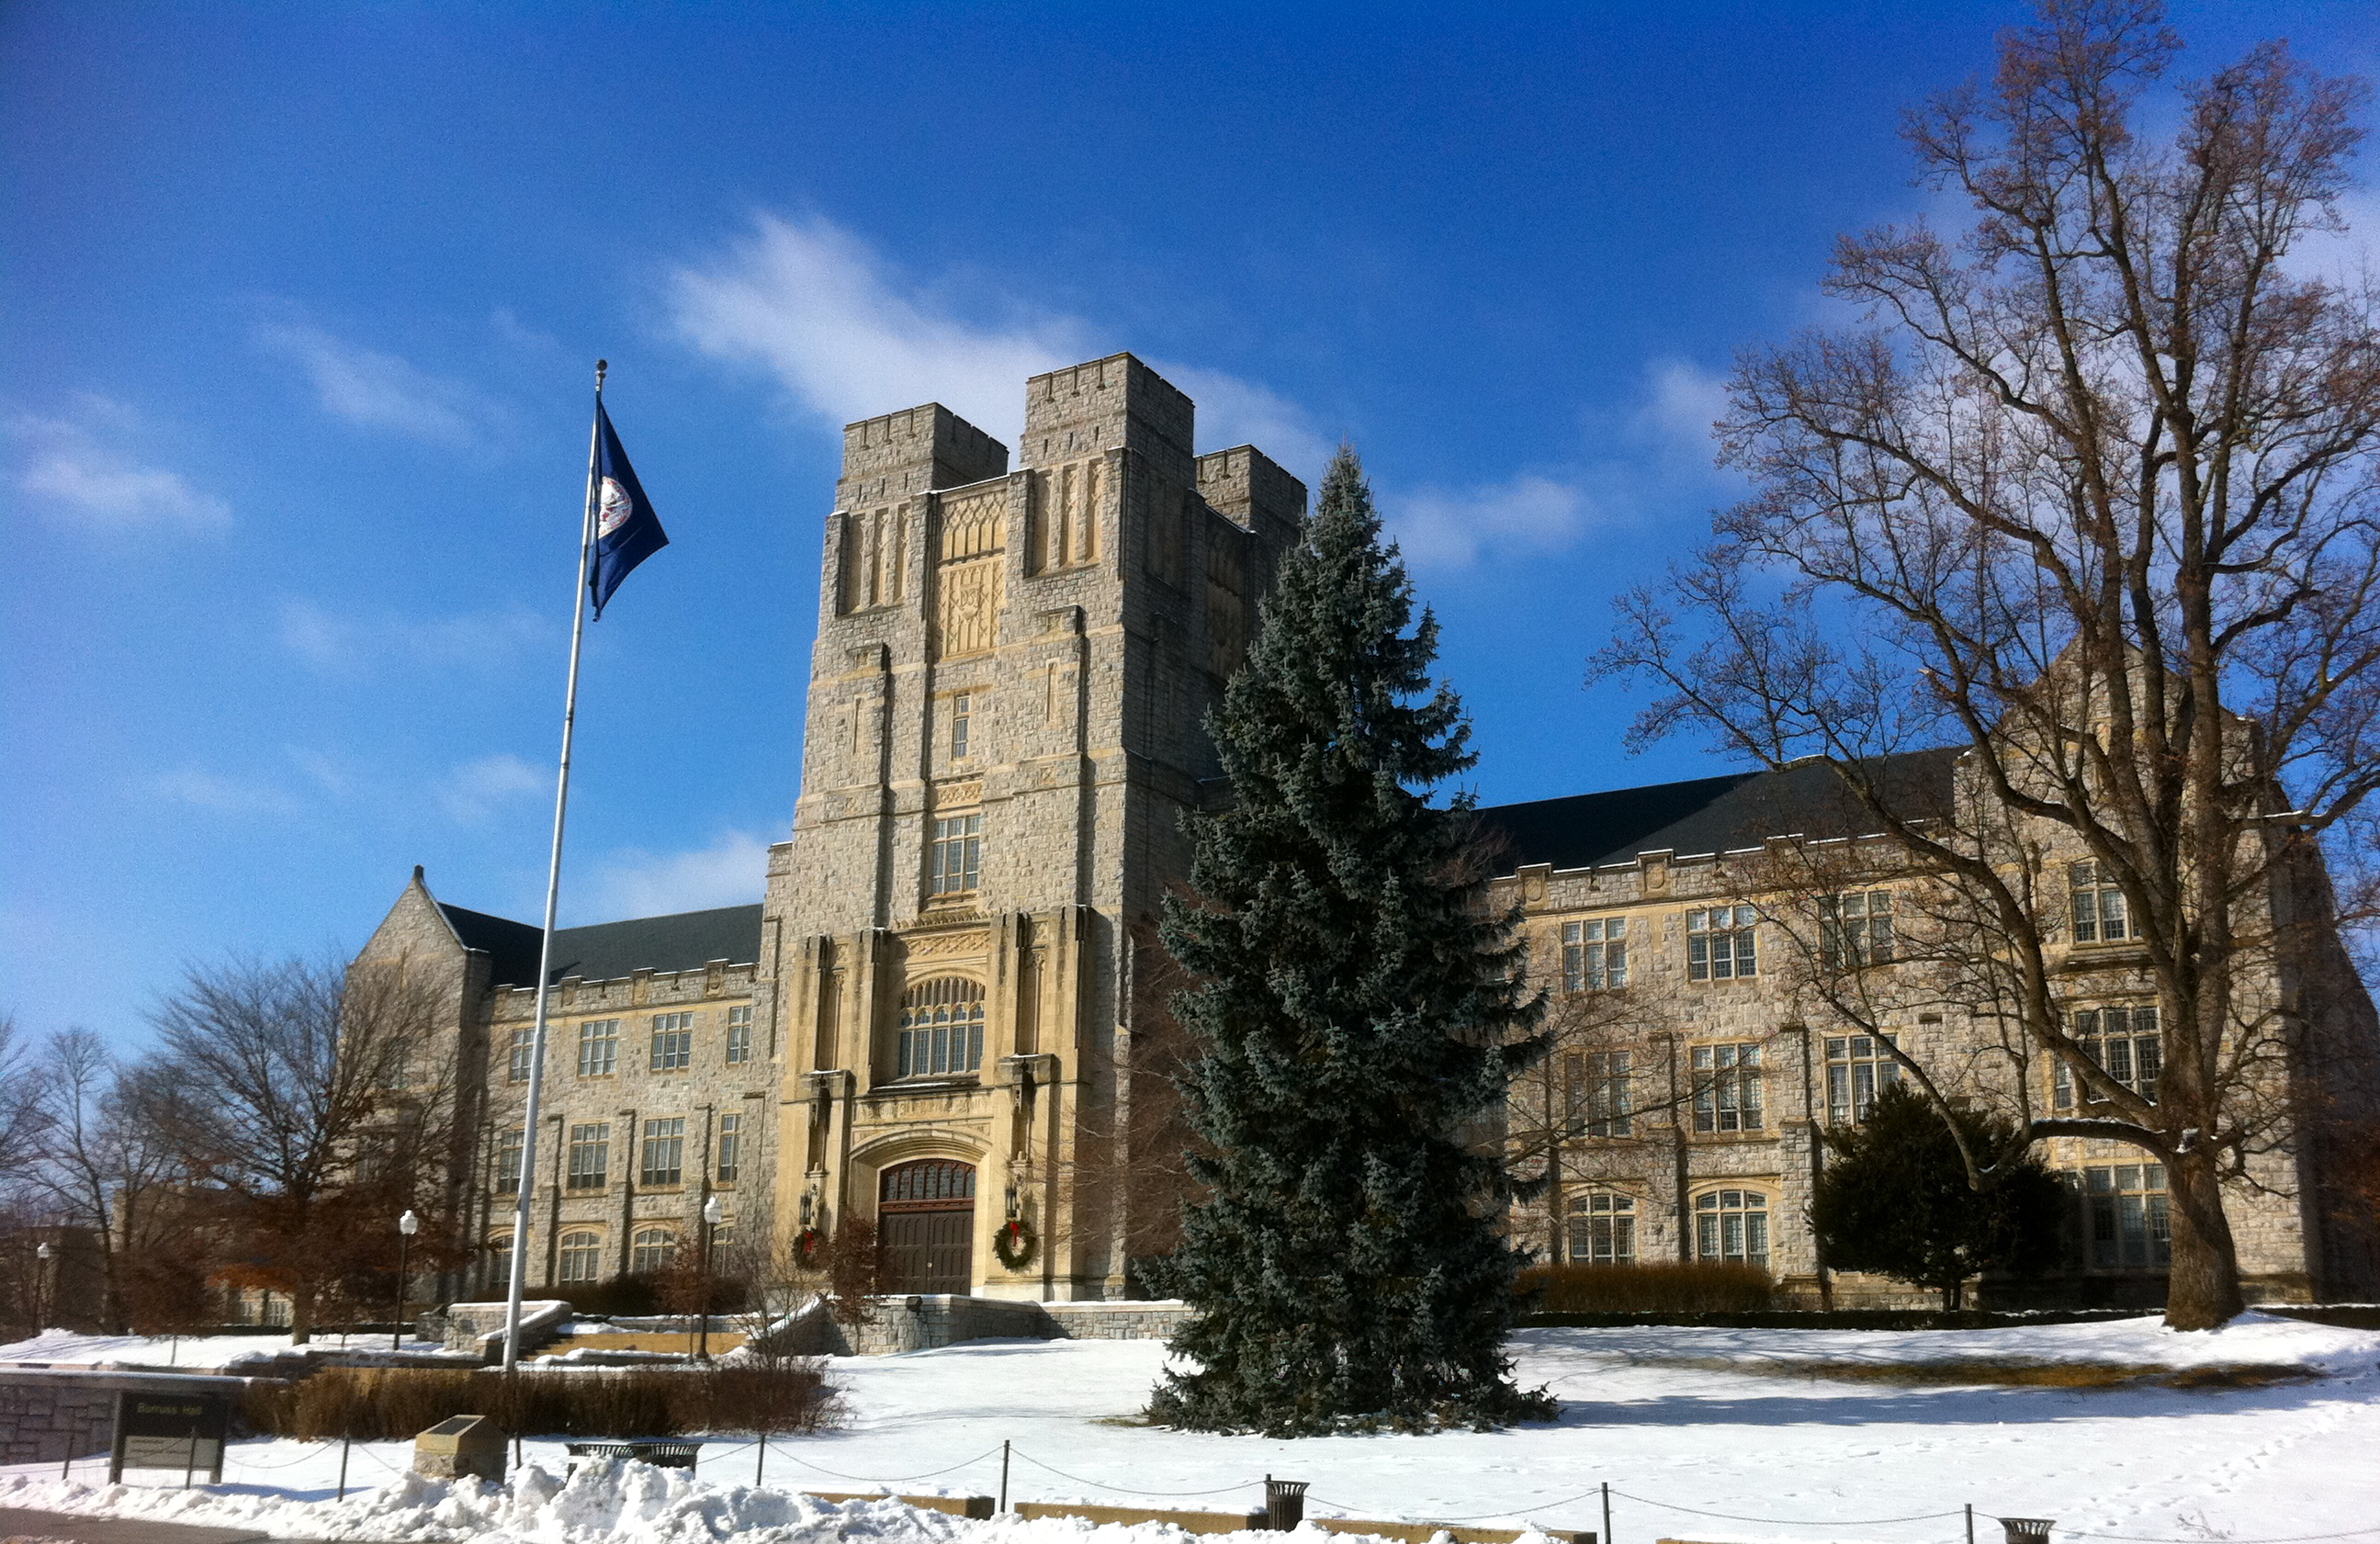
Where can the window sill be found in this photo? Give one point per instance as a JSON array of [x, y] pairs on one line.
[[932, 1083]]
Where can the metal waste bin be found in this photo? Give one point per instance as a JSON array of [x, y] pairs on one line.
[[2027, 1530], [1284, 1502]]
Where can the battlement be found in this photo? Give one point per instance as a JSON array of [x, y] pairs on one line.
[[1244, 483], [1102, 404], [912, 450]]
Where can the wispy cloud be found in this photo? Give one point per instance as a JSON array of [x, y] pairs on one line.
[[634, 883], [478, 790], [1440, 528], [848, 337], [349, 642], [816, 307], [374, 389], [80, 467], [201, 790], [1681, 402]]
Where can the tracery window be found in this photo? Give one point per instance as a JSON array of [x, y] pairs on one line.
[[653, 1249], [1727, 1087], [582, 1256], [1603, 1228], [1720, 943], [1855, 929], [2098, 905], [1858, 1067], [2124, 1042], [1595, 955], [1732, 1225], [941, 1028]]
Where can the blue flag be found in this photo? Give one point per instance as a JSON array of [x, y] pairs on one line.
[[626, 530]]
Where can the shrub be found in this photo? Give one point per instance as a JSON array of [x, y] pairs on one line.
[[393, 1404], [1681, 1286]]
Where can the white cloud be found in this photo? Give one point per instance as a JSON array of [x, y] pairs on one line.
[[78, 468], [1453, 528], [1682, 400], [848, 337], [477, 790], [348, 642], [733, 871], [813, 304], [373, 389], [229, 795]]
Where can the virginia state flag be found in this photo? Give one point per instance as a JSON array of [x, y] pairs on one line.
[[626, 530]]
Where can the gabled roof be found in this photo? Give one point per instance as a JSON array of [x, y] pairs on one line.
[[606, 951], [1709, 814]]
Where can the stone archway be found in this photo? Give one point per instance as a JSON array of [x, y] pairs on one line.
[[925, 1227]]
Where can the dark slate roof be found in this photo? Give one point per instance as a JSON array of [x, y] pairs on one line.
[[605, 951], [1706, 814]]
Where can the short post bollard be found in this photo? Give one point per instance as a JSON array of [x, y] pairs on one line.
[[1285, 1503], [2027, 1530]]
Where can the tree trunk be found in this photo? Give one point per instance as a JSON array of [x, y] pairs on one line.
[[2203, 1287], [301, 1314]]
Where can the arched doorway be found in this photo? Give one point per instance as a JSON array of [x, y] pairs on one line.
[[925, 1227]]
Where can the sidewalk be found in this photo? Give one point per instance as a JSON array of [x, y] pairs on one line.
[[16, 1524]]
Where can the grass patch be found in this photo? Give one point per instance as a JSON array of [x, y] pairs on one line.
[[2016, 1374]]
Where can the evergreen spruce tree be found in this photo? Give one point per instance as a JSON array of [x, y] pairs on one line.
[[1895, 1198], [1359, 1009]]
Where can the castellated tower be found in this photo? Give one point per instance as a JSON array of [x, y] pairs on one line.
[[1004, 731]]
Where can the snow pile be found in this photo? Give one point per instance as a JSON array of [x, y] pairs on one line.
[[602, 1503]]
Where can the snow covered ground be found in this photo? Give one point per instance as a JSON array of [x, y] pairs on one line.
[[194, 1352], [1702, 1434]]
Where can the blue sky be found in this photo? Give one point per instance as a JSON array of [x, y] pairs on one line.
[[302, 303]]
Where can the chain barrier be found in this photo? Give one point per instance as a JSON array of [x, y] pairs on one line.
[[888, 1479], [2304, 1538], [1126, 1490], [1791, 1522], [1352, 1509]]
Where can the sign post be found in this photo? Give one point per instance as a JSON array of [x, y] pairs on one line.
[[170, 1431]]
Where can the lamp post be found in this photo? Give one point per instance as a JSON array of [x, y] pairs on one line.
[[42, 1253], [407, 1226], [711, 1211]]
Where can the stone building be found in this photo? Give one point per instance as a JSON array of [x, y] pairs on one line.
[[1681, 930], [940, 1014]]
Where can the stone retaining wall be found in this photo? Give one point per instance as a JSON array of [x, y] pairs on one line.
[[922, 1322], [49, 1415]]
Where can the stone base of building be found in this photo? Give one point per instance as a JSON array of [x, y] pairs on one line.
[[922, 1322]]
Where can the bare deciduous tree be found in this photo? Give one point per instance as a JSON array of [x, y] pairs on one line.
[[111, 1169], [2092, 499], [313, 1109]]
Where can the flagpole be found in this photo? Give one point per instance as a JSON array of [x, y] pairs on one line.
[[552, 896]]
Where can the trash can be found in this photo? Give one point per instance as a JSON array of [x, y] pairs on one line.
[[1284, 1502], [2027, 1530]]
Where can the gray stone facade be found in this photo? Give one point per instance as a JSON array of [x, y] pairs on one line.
[[1003, 733]]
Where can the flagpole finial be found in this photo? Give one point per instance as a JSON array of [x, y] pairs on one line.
[[602, 367]]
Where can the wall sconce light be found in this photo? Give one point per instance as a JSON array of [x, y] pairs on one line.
[[1011, 1200]]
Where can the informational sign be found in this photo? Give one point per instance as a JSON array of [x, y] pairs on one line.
[[182, 1431]]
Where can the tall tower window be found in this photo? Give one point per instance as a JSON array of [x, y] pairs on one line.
[[962, 713], [941, 1028], [955, 863]]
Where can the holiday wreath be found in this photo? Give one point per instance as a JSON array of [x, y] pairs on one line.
[[1013, 1244], [808, 1245]]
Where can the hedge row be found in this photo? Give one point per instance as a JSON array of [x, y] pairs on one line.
[[393, 1404], [1671, 1288]]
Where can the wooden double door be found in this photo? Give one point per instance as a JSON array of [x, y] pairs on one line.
[[925, 1228]]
